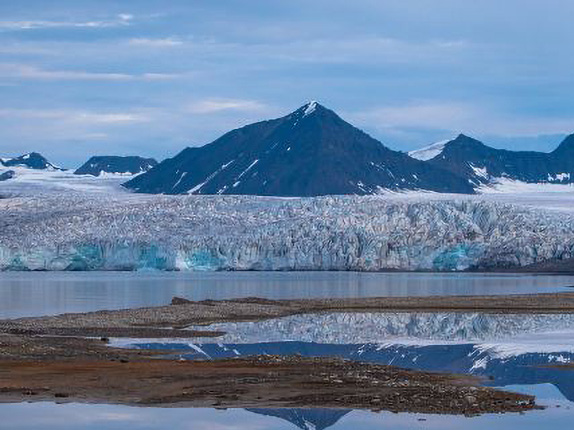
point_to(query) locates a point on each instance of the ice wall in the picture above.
(74, 232)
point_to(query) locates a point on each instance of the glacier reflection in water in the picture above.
(372, 327)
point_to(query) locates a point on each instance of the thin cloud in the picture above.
(461, 117)
(218, 105)
(122, 19)
(155, 43)
(421, 115)
(22, 71)
(75, 116)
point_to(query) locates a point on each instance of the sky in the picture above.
(150, 77)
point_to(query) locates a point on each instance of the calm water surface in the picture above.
(29, 294)
(46, 416)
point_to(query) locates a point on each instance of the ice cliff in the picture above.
(71, 231)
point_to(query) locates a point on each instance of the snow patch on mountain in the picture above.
(559, 177)
(310, 108)
(479, 171)
(429, 152)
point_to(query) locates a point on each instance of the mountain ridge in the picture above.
(309, 152)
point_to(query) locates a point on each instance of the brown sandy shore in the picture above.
(49, 358)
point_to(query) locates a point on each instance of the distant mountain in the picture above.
(8, 174)
(33, 160)
(481, 164)
(310, 152)
(99, 165)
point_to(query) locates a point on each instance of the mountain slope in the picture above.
(99, 165)
(309, 152)
(481, 164)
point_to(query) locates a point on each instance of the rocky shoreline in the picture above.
(66, 358)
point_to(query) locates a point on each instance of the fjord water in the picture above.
(47, 293)
(507, 350)
(33, 416)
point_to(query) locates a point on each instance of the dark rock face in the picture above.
(480, 164)
(96, 166)
(33, 160)
(310, 152)
(9, 174)
(563, 156)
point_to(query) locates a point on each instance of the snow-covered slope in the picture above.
(107, 231)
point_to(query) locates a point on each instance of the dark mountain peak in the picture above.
(128, 165)
(463, 139)
(313, 112)
(31, 160)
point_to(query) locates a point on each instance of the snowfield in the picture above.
(60, 221)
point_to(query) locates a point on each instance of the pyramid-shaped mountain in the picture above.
(310, 152)
(482, 164)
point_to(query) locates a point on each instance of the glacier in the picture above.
(67, 229)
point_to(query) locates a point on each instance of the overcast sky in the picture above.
(79, 78)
